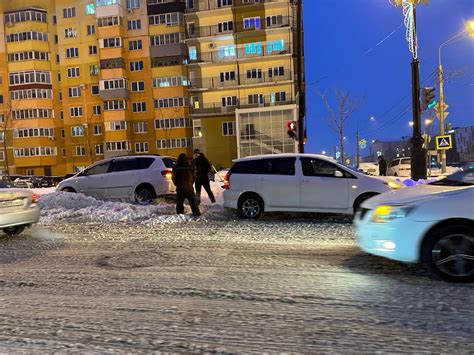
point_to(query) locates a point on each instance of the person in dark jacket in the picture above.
(382, 166)
(183, 177)
(203, 168)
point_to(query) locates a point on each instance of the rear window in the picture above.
(244, 167)
(169, 162)
(406, 161)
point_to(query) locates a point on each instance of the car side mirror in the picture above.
(338, 174)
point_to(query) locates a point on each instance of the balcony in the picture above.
(232, 54)
(112, 63)
(154, 7)
(252, 78)
(114, 94)
(206, 5)
(238, 27)
(109, 9)
(168, 50)
(216, 108)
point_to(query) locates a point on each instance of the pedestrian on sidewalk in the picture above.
(203, 168)
(382, 166)
(183, 177)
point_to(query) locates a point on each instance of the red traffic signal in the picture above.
(291, 129)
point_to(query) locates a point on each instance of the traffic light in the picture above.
(291, 129)
(428, 98)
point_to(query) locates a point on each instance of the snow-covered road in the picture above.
(220, 285)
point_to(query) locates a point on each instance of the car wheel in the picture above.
(361, 199)
(250, 206)
(449, 253)
(68, 189)
(13, 230)
(144, 195)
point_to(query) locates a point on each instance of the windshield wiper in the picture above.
(448, 182)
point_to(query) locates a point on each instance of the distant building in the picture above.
(464, 140)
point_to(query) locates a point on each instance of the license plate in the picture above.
(11, 203)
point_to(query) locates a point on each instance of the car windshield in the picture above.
(348, 167)
(459, 178)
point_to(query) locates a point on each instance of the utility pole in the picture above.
(300, 68)
(418, 153)
(441, 115)
(357, 149)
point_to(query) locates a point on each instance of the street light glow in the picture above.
(372, 118)
(428, 121)
(323, 152)
(411, 123)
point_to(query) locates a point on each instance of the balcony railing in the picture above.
(253, 78)
(234, 54)
(218, 108)
(215, 30)
(206, 5)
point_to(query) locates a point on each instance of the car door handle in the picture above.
(306, 181)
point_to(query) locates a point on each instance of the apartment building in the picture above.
(82, 80)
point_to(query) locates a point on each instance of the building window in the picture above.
(133, 4)
(97, 130)
(170, 81)
(169, 19)
(278, 97)
(192, 53)
(69, 12)
(34, 151)
(29, 77)
(96, 110)
(72, 52)
(256, 99)
(136, 66)
(79, 151)
(57, 58)
(63, 152)
(63, 134)
(114, 105)
(227, 76)
(90, 30)
(77, 131)
(92, 50)
(138, 86)
(27, 36)
(174, 143)
(112, 42)
(252, 22)
(226, 52)
(141, 147)
(228, 128)
(70, 32)
(95, 90)
(169, 123)
(135, 45)
(229, 101)
(111, 84)
(197, 129)
(276, 71)
(141, 127)
(75, 111)
(117, 146)
(74, 91)
(275, 46)
(274, 21)
(169, 38)
(139, 107)
(99, 149)
(108, 21)
(225, 26)
(170, 102)
(118, 126)
(73, 72)
(25, 15)
(222, 3)
(90, 9)
(254, 74)
(93, 70)
(134, 24)
(253, 48)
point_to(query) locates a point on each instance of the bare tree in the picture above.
(346, 105)
(5, 127)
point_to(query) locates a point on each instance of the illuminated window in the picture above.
(90, 9)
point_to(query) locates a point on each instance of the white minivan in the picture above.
(138, 178)
(296, 183)
(399, 167)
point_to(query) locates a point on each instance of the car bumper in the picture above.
(17, 218)
(397, 240)
(231, 198)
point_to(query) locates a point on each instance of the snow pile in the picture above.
(74, 207)
(411, 182)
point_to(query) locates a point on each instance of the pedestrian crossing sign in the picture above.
(444, 142)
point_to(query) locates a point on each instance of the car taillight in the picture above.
(167, 174)
(34, 198)
(226, 185)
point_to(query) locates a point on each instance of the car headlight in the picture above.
(386, 213)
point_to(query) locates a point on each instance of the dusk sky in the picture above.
(341, 52)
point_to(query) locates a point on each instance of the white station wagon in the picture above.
(296, 183)
(136, 178)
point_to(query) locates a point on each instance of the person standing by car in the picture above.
(183, 177)
(382, 166)
(203, 168)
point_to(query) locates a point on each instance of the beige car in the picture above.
(18, 209)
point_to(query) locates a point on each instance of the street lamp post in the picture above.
(441, 105)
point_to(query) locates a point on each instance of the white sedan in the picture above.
(18, 209)
(432, 224)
